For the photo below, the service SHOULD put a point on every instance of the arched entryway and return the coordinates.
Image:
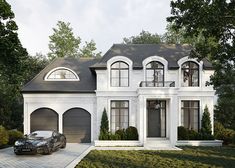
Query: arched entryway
(77, 125)
(43, 119)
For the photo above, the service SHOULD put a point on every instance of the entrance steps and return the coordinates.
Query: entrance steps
(158, 143)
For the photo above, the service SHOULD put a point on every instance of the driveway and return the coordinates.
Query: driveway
(58, 159)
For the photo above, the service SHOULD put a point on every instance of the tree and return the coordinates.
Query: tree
(63, 43)
(206, 122)
(143, 38)
(104, 127)
(214, 21)
(89, 50)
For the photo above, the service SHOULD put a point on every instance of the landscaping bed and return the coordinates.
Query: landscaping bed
(188, 157)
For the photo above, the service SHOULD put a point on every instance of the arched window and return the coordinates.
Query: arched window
(190, 74)
(62, 74)
(155, 74)
(120, 74)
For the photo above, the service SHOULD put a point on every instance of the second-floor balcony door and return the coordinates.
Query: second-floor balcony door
(155, 74)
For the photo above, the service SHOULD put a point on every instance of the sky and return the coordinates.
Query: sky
(105, 21)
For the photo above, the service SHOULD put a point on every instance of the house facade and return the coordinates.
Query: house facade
(155, 88)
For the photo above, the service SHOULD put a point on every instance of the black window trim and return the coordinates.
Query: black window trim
(119, 71)
(163, 81)
(128, 108)
(190, 107)
(190, 69)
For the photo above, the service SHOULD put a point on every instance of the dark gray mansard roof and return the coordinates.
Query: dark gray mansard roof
(138, 52)
(85, 67)
(87, 83)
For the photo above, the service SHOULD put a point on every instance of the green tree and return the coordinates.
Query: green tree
(214, 21)
(63, 43)
(104, 127)
(206, 122)
(143, 38)
(89, 50)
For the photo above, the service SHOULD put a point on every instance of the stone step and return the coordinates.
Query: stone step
(157, 143)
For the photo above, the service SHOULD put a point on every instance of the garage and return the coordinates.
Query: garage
(43, 119)
(77, 125)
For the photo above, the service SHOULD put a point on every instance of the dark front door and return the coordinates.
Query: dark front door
(156, 113)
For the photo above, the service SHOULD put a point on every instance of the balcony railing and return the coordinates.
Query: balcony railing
(157, 84)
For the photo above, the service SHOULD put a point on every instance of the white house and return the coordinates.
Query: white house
(155, 88)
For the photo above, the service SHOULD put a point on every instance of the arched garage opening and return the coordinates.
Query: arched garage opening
(77, 125)
(43, 119)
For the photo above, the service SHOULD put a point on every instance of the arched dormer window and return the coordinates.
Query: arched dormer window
(119, 74)
(62, 74)
(155, 74)
(190, 74)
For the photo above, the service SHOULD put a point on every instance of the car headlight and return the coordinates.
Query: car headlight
(18, 143)
(41, 143)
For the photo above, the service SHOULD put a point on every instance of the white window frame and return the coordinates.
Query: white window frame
(61, 68)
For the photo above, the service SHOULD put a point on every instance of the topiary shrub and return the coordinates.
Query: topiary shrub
(193, 135)
(114, 136)
(104, 127)
(205, 130)
(121, 133)
(182, 133)
(14, 135)
(132, 133)
(3, 136)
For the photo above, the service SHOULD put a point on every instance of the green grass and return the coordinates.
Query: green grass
(189, 157)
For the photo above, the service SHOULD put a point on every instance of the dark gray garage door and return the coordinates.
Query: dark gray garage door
(77, 125)
(43, 119)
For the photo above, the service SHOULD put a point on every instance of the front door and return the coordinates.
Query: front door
(156, 114)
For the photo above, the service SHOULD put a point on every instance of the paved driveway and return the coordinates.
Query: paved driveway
(58, 159)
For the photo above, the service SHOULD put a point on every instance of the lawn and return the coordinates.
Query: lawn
(188, 157)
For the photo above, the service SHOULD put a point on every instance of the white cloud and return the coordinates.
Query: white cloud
(106, 22)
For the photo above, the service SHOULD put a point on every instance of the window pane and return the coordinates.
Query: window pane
(195, 77)
(115, 82)
(124, 103)
(62, 74)
(115, 73)
(115, 65)
(124, 73)
(114, 104)
(124, 82)
(123, 65)
(194, 65)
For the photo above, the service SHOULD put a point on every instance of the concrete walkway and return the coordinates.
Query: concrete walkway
(67, 157)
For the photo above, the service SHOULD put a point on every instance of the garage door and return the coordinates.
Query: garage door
(43, 119)
(77, 125)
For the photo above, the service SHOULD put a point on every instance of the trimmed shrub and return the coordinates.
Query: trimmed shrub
(193, 135)
(132, 133)
(182, 133)
(206, 123)
(104, 126)
(14, 135)
(3, 136)
(104, 136)
(121, 133)
(114, 136)
(225, 134)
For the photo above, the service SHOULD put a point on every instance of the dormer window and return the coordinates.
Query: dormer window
(155, 74)
(62, 74)
(120, 74)
(190, 74)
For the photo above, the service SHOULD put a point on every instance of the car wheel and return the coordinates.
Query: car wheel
(63, 144)
(17, 153)
(47, 151)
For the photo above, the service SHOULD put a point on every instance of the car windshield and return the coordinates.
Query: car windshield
(40, 134)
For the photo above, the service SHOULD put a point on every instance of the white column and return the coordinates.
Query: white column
(26, 124)
(60, 123)
(140, 117)
(173, 119)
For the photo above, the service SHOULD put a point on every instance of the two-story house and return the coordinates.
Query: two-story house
(155, 88)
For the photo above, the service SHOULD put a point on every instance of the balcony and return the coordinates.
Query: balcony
(157, 84)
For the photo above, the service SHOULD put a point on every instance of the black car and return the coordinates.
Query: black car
(42, 142)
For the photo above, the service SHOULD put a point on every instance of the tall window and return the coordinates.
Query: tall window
(119, 115)
(119, 74)
(155, 74)
(190, 74)
(62, 74)
(190, 114)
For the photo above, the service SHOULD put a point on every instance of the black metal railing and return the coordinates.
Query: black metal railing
(157, 84)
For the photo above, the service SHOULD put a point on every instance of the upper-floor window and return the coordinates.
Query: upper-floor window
(190, 74)
(61, 74)
(155, 74)
(120, 74)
